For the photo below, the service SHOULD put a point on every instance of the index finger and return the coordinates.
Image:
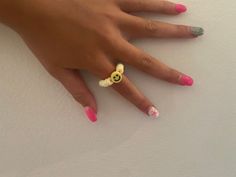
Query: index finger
(160, 6)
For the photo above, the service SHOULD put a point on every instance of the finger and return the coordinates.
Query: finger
(129, 91)
(164, 7)
(75, 84)
(139, 59)
(137, 27)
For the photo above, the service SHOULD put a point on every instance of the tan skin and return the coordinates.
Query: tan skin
(72, 35)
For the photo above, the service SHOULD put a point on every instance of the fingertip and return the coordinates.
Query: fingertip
(196, 31)
(186, 80)
(153, 112)
(180, 8)
(90, 113)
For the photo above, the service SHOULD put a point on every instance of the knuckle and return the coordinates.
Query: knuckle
(146, 61)
(171, 75)
(108, 34)
(138, 4)
(151, 26)
(110, 37)
(181, 28)
(110, 15)
(79, 96)
(162, 4)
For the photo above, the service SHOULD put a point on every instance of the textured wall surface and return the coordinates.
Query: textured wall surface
(44, 133)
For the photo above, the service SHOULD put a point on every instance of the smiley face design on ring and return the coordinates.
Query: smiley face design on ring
(116, 77)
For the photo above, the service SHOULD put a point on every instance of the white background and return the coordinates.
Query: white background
(44, 133)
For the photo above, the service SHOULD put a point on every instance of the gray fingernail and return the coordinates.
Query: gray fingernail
(197, 31)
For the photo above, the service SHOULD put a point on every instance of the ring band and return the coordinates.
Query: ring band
(116, 77)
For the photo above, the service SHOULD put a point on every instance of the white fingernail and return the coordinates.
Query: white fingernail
(153, 112)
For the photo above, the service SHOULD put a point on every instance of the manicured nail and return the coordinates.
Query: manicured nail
(186, 80)
(90, 113)
(197, 31)
(180, 8)
(153, 112)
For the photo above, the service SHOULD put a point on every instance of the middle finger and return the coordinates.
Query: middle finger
(137, 27)
(143, 61)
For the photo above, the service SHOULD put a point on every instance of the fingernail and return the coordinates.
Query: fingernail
(197, 31)
(180, 8)
(153, 112)
(186, 80)
(90, 114)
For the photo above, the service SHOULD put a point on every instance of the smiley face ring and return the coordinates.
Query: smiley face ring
(116, 77)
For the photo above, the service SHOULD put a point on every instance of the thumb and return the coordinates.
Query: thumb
(75, 84)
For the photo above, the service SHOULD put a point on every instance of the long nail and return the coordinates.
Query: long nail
(197, 31)
(186, 80)
(90, 114)
(153, 112)
(180, 8)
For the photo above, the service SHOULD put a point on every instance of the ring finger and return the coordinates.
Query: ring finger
(127, 89)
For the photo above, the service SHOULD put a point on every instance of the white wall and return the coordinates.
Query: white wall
(43, 131)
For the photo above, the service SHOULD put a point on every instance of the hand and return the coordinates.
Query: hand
(72, 35)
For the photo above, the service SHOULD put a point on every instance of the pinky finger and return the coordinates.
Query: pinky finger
(74, 83)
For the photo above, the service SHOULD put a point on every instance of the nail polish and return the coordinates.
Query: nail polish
(90, 114)
(180, 8)
(186, 80)
(197, 31)
(153, 112)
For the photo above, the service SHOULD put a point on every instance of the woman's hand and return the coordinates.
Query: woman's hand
(72, 35)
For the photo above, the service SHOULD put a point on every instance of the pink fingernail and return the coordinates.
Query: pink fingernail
(180, 8)
(153, 112)
(186, 80)
(90, 113)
